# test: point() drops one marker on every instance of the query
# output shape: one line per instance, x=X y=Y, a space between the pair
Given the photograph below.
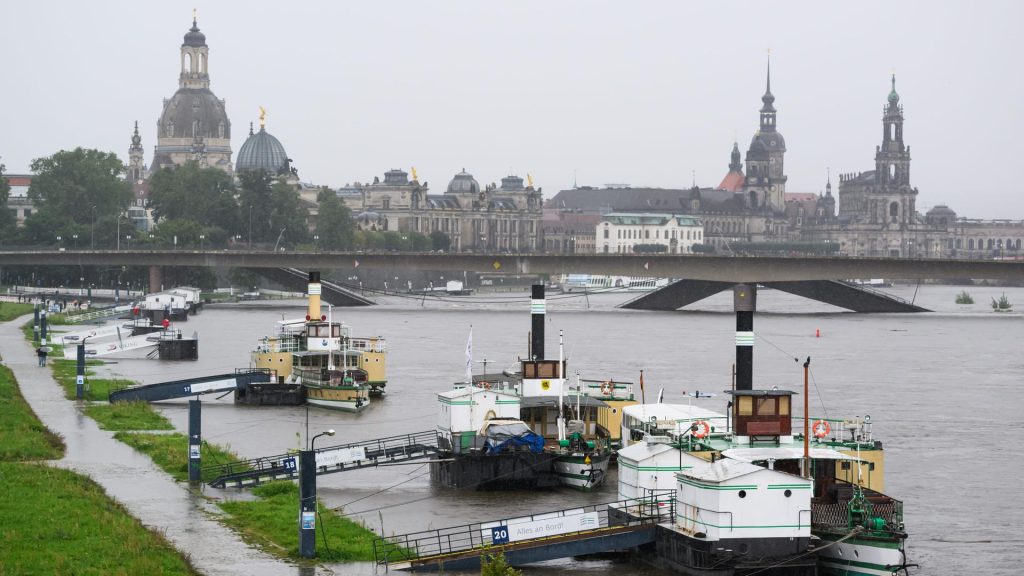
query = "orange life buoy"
x=485 y=385
x=606 y=388
x=700 y=429
x=821 y=429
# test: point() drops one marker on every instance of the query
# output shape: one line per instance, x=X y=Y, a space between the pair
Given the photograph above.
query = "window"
x=784 y=405
x=766 y=406
x=606 y=233
x=745 y=406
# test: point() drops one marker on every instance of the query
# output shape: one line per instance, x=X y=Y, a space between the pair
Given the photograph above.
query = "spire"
x=768 y=99
x=250 y=128
x=828 y=181
x=736 y=165
x=894 y=98
x=136 y=139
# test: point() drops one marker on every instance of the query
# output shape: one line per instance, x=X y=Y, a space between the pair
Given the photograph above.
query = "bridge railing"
x=392 y=447
x=656 y=507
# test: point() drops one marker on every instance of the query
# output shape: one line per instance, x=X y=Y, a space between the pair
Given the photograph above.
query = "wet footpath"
x=185 y=518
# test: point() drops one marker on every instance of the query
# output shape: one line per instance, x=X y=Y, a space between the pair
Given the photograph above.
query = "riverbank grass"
x=54 y=521
x=22 y=435
x=12 y=310
x=170 y=452
x=119 y=416
x=271 y=522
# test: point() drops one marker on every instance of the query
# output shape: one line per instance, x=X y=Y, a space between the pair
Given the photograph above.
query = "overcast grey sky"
x=645 y=93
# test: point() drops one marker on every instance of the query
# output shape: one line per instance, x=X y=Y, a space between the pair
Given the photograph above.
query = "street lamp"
x=58 y=242
x=307 y=498
x=250 y=227
x=129 y=238
x=202 y=238
x=92 y=236
x=316 y=243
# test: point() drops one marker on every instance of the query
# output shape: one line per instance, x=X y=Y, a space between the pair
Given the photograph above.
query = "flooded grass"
x=271 y=522
x=22 y=435
x=170 y=452
x=96 y=389
x=54 y=521
x=127 y=416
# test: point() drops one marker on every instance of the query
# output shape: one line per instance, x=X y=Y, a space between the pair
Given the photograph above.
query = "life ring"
x=700 y=429
x=821 y=428
x=485 y=385
x=607 y=387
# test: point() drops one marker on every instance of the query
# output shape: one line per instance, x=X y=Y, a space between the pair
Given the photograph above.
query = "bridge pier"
x=156 y=279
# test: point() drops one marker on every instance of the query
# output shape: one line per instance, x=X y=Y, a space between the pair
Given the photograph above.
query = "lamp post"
x=58 y=243
x=307 y=498
x=75 y=236
x=92 y=236
x=128 y=237
x=250 y=227
x=118 y=231
x=202 y=239
x=316 y=243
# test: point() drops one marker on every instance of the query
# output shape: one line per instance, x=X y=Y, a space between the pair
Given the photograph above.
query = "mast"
x=807 y=441
x=561 y=384
x=537 y=314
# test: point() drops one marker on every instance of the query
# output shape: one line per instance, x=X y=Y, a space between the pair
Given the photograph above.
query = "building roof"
x=647 y=219
x=640 y=451
x=463 y=182
x=722 y=471
x=194 y=37
x=262 y=151
x=733 y=182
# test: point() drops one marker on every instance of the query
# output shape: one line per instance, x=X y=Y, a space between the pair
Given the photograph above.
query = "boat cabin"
x=762 y=415
x=542 y=378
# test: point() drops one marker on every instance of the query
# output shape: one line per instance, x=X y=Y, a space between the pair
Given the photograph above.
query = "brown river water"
x=944 y=389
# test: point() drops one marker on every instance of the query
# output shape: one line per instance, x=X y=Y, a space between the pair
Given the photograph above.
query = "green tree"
x=419 y=242
x=7 y=218
x=73 y=190
x=189 y=192
x=334 y=224
x=440 y=240
x=287 y=221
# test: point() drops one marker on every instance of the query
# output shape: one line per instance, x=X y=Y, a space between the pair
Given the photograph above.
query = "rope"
x=772 y=344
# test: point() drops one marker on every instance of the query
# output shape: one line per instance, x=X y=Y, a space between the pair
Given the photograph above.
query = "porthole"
x=788 y=493
x=743 y=493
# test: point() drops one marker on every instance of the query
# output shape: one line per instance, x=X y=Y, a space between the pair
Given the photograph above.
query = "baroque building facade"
x=503 y=218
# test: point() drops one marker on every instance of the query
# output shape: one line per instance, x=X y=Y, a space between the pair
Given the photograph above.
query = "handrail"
x=442 y=542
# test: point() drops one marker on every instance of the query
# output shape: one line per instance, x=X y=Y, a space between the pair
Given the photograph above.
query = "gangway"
x=593 y=529
x=366 y=454
x=191 y=386
x=97 y=314
x=298 y=280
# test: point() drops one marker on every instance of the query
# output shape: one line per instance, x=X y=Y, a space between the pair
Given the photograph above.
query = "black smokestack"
x=537 y=314
x=744 y=301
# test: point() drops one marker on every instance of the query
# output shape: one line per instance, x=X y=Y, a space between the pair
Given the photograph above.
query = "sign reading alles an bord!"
x=517 y=530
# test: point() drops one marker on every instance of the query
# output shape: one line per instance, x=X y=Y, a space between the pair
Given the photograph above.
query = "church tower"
x=765 y=184
x=136 y=167
x=194 y=125
x=892 y=166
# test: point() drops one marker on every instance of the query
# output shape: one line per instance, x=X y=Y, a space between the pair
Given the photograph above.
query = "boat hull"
x=860 y=556
x=344 y=398
x=573 y=470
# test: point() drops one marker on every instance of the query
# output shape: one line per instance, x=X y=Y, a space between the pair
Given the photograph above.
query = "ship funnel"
x=744 y=301
x=537 y=315
x=313 y=312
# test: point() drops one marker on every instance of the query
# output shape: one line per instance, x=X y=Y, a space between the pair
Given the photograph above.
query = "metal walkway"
x=97 y=314
x=298 y=281
x=329 y=460
x=593 y=529
x=191 y=386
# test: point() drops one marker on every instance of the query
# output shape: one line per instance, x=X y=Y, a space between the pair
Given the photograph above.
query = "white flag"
x=469 y=356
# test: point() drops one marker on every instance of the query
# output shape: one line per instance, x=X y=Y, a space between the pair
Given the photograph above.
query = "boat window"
x=784 y=406
x=335 y=331
x=745 y=406
x=766 y=406
x=547 y=370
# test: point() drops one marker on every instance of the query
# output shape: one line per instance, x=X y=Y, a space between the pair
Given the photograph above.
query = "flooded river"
x=944 y=390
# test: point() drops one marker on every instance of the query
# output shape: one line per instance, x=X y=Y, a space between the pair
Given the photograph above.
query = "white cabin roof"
x=641 y=451
x=464 y=391
x=783 y=453
x=670 y=412
x=722 y=471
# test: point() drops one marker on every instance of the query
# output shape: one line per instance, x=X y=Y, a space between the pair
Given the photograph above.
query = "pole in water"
x=195 y=464
x=817 y=333
x=80 y=370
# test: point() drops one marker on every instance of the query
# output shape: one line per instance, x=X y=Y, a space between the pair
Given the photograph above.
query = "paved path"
x=147 y=492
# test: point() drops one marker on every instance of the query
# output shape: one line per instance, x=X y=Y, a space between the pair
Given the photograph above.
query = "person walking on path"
x=42 y=352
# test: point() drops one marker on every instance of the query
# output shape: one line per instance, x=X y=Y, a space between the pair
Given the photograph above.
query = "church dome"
x=193 y=112
x=463 y=182
x=768 y=142
x=194 y=37
x=262 y=151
